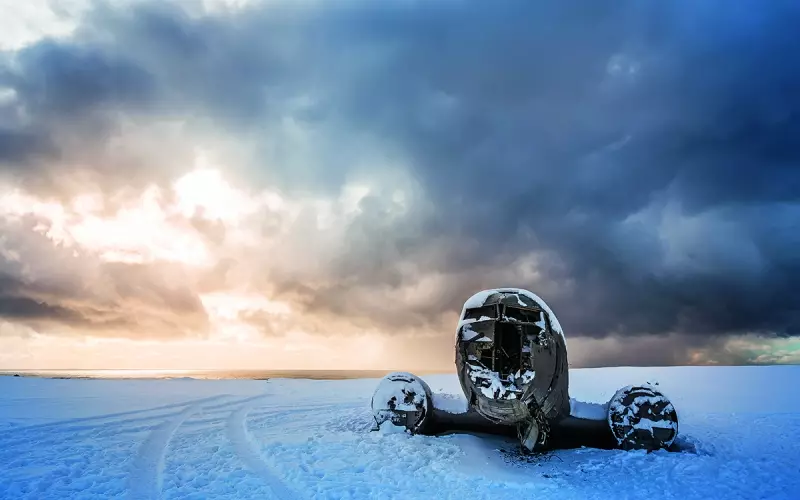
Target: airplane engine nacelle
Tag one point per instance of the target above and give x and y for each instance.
(641, 417)
(402, 401)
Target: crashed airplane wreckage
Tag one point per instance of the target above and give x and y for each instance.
(511, 358)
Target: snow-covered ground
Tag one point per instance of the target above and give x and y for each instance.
(137, 439)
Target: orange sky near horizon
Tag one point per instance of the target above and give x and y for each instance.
(159, 225)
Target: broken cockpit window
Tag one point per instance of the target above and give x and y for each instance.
(530, 323)
(499, 355)
(521, 315)
(481, 313)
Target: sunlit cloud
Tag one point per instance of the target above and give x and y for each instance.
(141, 231)
(23, 23)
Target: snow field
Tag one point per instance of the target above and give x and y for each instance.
(302, 439)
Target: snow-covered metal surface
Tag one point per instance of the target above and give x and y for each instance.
(492, 385)
(402, 399)
(642, 417)
(395, 390)
(479, 299)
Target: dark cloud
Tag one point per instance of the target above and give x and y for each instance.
(140, 314)
(644, 153)
(19, 146)
(59, 85)
(53, 289)
(74, 109)
(57, 80)
(557, 126)
(25, 309)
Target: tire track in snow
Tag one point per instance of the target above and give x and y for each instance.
(146, 475)
(240, 438)
(24, 436)
(115, 415)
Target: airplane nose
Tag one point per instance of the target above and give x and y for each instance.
(500, 351)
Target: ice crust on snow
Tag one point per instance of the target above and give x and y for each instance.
(589, 411)
(387, 427)
(451, 403)
(235, 439)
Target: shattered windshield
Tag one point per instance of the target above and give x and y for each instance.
(522, 315)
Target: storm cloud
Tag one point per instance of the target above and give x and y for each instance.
(634, 163)
(57, 290)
